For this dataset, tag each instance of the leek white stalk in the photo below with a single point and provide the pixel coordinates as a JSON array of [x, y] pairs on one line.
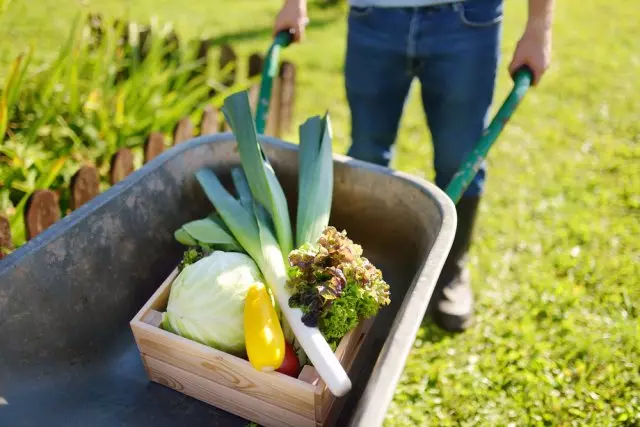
[[312, 341]]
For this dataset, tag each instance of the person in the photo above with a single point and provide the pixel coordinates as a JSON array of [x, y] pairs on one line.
[[453, 48]]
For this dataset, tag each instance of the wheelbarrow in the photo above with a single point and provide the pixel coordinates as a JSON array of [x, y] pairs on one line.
[[67, 355]]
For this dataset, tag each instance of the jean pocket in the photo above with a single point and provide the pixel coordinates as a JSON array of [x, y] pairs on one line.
[[481, 13], [360, 11]]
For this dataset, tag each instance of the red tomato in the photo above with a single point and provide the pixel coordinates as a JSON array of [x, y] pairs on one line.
[[290, 365]]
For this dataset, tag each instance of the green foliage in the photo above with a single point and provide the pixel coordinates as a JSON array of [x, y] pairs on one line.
[[107, 88]]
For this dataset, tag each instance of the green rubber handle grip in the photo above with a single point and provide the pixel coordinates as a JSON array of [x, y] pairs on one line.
[[522, 79], [269, 71]]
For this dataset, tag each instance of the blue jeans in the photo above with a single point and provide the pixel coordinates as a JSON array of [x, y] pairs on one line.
[[453, 50]]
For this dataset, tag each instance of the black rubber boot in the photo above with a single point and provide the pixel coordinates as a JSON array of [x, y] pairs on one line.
[[452, 303]]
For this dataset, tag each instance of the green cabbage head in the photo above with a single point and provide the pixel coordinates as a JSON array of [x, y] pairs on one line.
[[206, 302]]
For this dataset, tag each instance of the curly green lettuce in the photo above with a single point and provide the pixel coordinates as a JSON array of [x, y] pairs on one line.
[[334, 285], [193, 254]]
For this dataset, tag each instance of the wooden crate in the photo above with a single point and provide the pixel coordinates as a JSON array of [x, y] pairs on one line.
[[231, 383]]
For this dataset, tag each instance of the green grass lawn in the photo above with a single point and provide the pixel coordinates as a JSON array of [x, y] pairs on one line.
[[556, 264]]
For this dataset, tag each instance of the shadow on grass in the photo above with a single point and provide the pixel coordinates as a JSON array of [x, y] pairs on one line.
[[432, 333]]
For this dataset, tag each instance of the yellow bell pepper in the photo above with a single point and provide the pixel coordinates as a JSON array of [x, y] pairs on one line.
[[263, 334]]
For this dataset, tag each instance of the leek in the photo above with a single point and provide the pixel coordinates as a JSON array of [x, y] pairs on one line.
[[262, 246], [208, 232], [240, 221], [315, 181], [251, 227], [246, 199], [242, 187], [260, 175]]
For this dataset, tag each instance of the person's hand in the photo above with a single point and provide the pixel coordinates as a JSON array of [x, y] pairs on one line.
[[533, 50], [293, 18]]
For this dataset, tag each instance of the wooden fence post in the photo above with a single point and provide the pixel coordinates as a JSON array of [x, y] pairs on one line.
[[172, 46], [209, 121], [121, 50], [41, 212], [85, 185], [144, 42], [5, 236], [228, 66], [287, 102], [96, 30], [272, 127], [153, 146], [256, 62], [202, 55], [183, 131], [121, 165]]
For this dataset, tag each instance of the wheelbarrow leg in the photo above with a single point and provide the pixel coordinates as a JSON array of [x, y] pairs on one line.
[[451, 306]]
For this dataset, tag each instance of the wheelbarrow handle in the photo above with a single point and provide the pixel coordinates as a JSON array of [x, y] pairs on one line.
[[522, 79], [269, 71]]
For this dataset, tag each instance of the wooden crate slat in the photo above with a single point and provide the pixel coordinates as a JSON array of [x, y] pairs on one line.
[[225, 398], [303, 399], [346, 352], [42, 211], [326, 403], [226, 369]]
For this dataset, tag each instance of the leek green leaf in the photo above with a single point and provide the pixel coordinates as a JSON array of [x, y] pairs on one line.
[[207, 231], [242, 187], [216, 218], [315, 182], [247, 200], [185, 238], [242, 224], [262, 180]]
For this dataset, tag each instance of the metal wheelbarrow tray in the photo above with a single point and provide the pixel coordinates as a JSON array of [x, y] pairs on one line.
[[67, 354]]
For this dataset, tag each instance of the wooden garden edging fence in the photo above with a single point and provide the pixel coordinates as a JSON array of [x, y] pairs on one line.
[[43, 207]]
